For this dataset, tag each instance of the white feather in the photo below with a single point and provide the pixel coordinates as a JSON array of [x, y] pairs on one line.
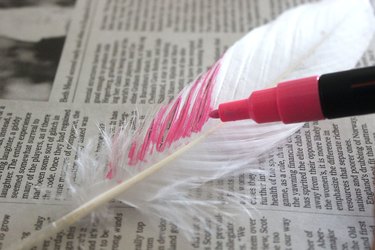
[[308, 40]]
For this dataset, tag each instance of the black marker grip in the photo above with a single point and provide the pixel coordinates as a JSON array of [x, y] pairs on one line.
[[347, 93]]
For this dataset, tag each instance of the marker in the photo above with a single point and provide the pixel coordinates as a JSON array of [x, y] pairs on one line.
[[329, 96]]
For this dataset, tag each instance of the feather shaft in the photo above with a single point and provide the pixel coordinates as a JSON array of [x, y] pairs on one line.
[[107, 196]]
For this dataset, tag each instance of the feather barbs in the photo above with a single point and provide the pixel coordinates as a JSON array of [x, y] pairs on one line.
[[187, 114]]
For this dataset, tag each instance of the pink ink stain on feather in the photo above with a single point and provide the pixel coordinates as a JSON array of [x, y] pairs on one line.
[[185, 115]]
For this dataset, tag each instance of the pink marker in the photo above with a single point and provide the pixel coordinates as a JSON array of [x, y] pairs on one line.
[[334, 95]]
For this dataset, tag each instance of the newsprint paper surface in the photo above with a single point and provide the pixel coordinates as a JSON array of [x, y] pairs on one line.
[[122, 55]]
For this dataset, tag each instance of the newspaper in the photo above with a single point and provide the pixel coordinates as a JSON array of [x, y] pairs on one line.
[[318, 193]]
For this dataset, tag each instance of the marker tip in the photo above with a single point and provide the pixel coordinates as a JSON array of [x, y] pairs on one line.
[[214, 114]]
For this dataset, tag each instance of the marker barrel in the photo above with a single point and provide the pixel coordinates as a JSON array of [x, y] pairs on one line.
[[348, 93]]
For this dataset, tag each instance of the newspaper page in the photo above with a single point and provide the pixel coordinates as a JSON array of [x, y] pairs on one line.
[[316, 193], [139, 52]]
